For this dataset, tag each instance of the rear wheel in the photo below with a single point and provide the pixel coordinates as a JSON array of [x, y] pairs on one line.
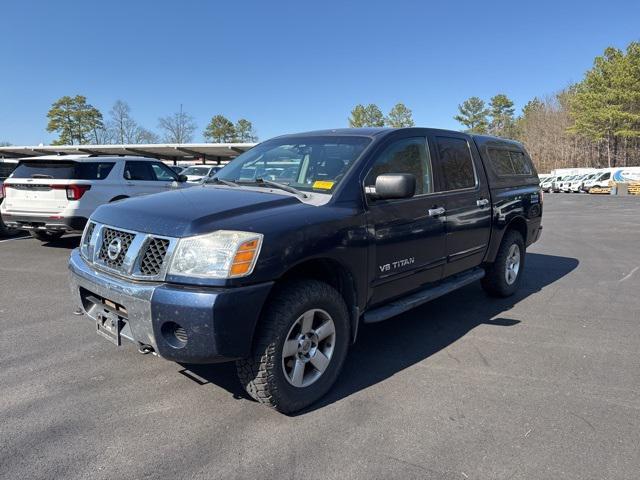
[[45, 235], [6, 231], [503, 276], [300, 347]]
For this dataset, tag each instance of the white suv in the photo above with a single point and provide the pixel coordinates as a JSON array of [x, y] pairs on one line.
[[54, 195]]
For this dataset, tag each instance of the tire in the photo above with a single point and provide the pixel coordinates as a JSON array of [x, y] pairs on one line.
[[499, 280], [6, 231], [267, 377], [46, 236]]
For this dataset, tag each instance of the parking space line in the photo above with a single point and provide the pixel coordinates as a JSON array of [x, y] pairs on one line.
[[15, 238]]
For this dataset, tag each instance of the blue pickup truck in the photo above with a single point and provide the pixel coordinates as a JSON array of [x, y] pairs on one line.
[[277, 260]]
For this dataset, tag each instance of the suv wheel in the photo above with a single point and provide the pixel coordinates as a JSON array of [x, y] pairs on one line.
[[46, 236], [300, 347], [503, 276], [6, 231]]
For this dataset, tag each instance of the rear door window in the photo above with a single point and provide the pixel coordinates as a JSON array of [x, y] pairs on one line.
[[63, 170], [139, 171], [456, 163]]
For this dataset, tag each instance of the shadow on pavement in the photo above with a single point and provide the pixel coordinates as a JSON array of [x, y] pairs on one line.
[[69, 242], [385, 348]]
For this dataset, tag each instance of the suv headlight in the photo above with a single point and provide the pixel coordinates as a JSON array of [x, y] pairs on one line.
[[221, 254]]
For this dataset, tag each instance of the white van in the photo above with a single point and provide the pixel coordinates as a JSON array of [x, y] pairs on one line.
[[53, 195]]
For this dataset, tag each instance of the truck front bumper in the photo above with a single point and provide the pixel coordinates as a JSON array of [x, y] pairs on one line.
[[181, 323]]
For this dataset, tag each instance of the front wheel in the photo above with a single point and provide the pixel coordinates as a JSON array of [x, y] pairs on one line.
[[302, 341], [46, 236], [503, 275]]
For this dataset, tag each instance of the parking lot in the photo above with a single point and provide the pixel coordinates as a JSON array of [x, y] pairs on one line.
[[545, 384]]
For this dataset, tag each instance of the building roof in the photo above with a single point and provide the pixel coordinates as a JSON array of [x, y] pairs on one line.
[[167, 151]]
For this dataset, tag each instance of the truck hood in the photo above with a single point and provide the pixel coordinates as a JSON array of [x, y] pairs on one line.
[[192, 211]]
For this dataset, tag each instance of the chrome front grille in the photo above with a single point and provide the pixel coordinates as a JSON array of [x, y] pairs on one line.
[[154, 256], [114, 246], [127, 253]]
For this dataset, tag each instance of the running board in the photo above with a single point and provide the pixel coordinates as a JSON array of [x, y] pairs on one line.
[[423, 296]]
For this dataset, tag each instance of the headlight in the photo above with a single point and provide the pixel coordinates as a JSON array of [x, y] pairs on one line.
[[85, 242], [221, 254]]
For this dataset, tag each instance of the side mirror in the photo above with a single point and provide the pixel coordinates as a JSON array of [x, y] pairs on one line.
[[394, 185], [182, 178]]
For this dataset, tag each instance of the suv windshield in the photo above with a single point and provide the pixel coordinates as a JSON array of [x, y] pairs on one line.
[[305, 163], [63, 170]]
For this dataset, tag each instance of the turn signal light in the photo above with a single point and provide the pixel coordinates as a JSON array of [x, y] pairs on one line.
[[244, 258]]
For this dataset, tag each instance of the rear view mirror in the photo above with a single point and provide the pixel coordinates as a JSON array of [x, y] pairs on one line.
[[395, 185], [182, 178]]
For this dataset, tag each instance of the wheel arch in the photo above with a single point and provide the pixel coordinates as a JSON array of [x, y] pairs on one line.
[[517, 223], [334, 273]]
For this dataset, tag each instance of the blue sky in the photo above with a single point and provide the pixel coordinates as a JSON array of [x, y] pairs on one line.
[[293, 66]]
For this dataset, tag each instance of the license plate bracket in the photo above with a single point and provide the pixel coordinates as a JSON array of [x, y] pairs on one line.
[[109, 326]]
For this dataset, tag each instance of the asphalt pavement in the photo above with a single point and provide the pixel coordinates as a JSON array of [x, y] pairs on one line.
[[543, 385]]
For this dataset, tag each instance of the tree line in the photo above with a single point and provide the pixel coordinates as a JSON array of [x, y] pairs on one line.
[[78, 122], [592, 123], [371, 116]]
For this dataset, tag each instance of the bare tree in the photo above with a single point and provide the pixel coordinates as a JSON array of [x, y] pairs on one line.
[[145, 136], [177, 128], [123, 127]]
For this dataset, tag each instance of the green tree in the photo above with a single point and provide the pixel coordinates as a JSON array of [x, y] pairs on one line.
[[369, 116], [244, 131], [75, 121], [220, 130], [473, 115], [606, 104], [5, 144], [399, 116], [501, 111], [177, 128], [375, 118], [358, 117]]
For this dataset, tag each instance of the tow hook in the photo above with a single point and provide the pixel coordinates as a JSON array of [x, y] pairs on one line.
[[145, 349]]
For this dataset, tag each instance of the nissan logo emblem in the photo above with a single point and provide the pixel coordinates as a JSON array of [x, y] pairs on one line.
[[114, 248]]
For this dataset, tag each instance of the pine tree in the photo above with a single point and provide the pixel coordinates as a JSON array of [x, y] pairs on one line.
[[220, 130], [473, 115], [502, 113], [75, 121], [399, 116]]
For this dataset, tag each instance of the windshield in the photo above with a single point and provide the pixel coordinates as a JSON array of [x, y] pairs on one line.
[[63, 170], [201, 171], [305, 163]]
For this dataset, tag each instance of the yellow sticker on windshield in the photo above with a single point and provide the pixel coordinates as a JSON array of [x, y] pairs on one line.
[[323, 184]]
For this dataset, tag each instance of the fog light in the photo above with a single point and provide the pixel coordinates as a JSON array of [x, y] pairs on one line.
[[174, 334]]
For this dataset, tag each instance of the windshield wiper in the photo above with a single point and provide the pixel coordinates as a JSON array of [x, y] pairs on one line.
[[229, 183], [281, 186]]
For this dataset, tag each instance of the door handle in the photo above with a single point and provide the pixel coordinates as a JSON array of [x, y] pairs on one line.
[[483, 202], [434, 212]]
